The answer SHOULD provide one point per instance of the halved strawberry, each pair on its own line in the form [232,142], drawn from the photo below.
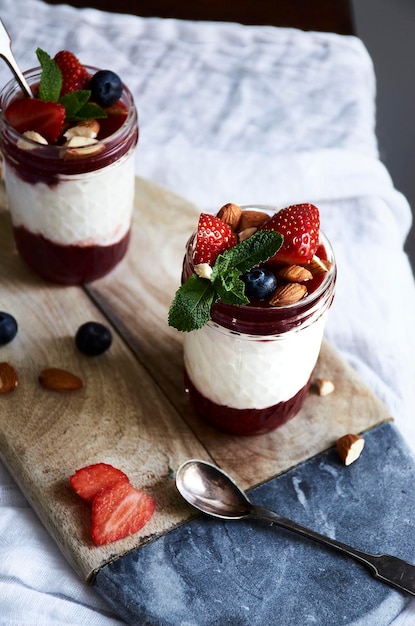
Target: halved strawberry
[74,75]
[88,481]
[300,226]
[46,118]
[213,236]
[118,511]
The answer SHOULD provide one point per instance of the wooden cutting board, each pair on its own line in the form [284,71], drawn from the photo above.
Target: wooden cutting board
[132,411]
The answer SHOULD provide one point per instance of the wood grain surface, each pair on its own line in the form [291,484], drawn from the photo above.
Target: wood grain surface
[133,411]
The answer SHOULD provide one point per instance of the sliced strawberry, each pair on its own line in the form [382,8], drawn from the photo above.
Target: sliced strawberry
[118,511]
[90,480]
[117,114]
[46,118]
[74,75]
[213,236]
[300,226]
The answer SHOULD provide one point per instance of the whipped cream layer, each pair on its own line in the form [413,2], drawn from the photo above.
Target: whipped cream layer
[83,210]
[251,372]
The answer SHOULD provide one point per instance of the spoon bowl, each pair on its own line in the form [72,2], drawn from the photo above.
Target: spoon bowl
[212,491]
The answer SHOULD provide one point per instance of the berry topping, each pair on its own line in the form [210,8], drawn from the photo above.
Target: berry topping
[93,338]
[116,116]
[88,481]
[75,76]
[8,328]
[118,511]
[213,236]
[300,226]
[259,283]
[45,118]
[106,88]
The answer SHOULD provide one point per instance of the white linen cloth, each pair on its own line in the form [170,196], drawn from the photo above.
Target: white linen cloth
[241,114]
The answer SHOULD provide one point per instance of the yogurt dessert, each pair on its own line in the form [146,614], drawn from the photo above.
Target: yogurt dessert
[256,289]
[69,168]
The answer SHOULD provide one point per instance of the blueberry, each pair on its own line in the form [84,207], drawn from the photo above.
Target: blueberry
[93,338]
[8,328]
[259,283]
[105,87]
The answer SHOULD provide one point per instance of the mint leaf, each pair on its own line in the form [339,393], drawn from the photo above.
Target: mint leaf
[257,249]
[230,288]
[191,306]
[50,79]
[78,108]
[90,111]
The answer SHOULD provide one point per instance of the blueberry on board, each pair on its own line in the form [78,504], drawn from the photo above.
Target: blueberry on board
[105,87]
[8,328]
[259,283]
[93,338]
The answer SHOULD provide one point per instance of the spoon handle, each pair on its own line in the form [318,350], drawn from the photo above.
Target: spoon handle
[7,54]
[385,567]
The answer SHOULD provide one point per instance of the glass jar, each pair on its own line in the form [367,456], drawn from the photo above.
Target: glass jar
[71,208]
[249,369]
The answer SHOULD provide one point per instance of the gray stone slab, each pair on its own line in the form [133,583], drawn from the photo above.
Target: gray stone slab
[212,573]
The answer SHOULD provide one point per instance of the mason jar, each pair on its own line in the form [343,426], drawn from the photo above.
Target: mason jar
[70,208]
[249,369]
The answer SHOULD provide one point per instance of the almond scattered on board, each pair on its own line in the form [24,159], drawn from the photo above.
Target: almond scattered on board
[8,378]
[349,447]
[56,379]
[324,386]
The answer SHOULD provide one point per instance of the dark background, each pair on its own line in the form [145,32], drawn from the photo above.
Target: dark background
[387,27]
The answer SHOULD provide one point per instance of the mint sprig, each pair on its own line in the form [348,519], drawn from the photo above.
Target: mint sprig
[78,107]
[51,77]
[194,299]
[76,103]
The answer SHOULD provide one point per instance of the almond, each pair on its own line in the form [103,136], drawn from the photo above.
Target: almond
[56,379]
[87,128]
[245,234]
[34,137]
[318,266]
[324,386]
[288,294]
[231,214]
[79,146]
[204,270]
[349,448]
[295,274]
[251,219]
[8,378]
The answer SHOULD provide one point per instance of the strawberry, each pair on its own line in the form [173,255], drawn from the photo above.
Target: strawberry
[213,236]
[118,511]
[74,75]
[46,118]
[88,481]
[300,226]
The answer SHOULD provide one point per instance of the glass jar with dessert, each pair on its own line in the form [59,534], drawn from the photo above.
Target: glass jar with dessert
[68,156]
[256,288]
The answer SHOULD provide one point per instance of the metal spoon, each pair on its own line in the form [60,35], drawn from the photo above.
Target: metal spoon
[210,490]
[7,54]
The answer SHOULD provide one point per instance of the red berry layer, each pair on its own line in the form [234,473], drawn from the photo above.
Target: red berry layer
[69,265]
[245,421]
